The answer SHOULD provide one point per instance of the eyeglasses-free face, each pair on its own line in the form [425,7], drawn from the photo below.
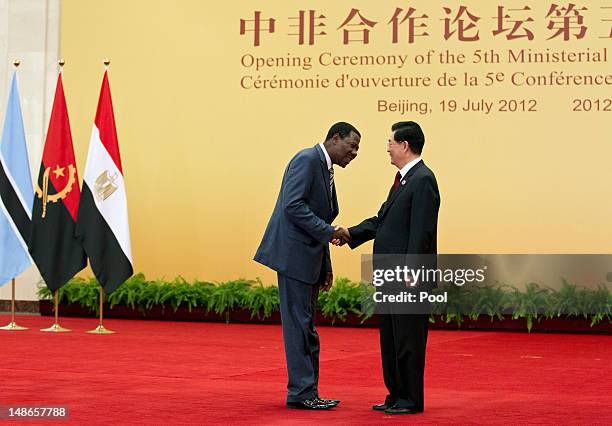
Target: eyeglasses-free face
[396,150]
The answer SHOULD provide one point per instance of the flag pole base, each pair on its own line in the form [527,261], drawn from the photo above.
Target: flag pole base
[100,330]
[56,328]
[13,327]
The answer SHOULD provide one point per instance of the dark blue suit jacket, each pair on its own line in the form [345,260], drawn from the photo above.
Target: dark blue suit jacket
[296,240]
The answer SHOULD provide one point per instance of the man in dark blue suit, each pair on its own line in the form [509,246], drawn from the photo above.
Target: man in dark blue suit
[296,245]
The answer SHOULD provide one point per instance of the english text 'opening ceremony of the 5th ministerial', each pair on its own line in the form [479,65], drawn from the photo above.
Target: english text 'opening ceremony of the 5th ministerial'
[306,213]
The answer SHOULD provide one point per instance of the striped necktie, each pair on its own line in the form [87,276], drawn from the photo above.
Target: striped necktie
[331,181]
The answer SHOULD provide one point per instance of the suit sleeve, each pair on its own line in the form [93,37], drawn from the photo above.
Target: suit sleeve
[424,216]
[327,258]
[298,182]
[365,231]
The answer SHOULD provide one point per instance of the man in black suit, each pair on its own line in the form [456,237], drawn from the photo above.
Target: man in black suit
[296,245]
[406,224]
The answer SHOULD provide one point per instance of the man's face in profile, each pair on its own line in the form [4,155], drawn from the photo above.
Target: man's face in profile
[395,149]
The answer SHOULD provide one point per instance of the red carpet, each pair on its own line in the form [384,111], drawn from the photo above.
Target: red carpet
[205,373]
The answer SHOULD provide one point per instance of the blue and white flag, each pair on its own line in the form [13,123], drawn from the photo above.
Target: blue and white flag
[16,192]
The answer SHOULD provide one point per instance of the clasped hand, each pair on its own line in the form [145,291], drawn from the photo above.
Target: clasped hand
[341,236]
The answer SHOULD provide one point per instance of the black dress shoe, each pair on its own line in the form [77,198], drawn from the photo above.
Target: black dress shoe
[400,410]
[380,407]
[332,402]
[310,404]
[389,402]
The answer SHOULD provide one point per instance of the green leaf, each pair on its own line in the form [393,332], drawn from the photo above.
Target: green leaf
[344,298]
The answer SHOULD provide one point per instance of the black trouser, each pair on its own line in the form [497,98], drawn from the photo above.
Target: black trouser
[403,339]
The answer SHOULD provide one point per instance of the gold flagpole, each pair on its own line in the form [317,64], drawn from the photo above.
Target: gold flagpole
[13,325]
[100,329]
[56,328]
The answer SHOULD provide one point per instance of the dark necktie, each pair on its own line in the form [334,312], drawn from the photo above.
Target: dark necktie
[396,182]
[331,186]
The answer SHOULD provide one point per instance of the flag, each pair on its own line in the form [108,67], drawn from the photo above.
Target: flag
[103,216]
[56,250]
[16,192]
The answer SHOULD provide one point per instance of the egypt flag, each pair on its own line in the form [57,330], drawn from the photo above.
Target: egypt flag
[56,250]
[103,216]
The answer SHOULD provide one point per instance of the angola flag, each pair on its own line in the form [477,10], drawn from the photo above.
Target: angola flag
[56,250]
[103,216]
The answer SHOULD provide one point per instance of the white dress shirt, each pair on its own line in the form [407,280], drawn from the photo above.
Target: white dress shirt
[327,157]
[408,166]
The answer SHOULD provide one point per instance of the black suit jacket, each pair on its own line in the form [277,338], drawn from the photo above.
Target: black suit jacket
[407,222]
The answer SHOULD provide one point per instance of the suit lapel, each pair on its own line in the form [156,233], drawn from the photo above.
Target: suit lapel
[325,173]
[392,197]
[403,183]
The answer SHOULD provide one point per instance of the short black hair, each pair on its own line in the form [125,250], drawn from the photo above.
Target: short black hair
[410,132]
[343,129]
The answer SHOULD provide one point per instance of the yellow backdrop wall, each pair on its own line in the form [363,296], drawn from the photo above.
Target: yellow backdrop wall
[203,156]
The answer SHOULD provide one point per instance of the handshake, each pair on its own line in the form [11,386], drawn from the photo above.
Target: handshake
[341,236]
